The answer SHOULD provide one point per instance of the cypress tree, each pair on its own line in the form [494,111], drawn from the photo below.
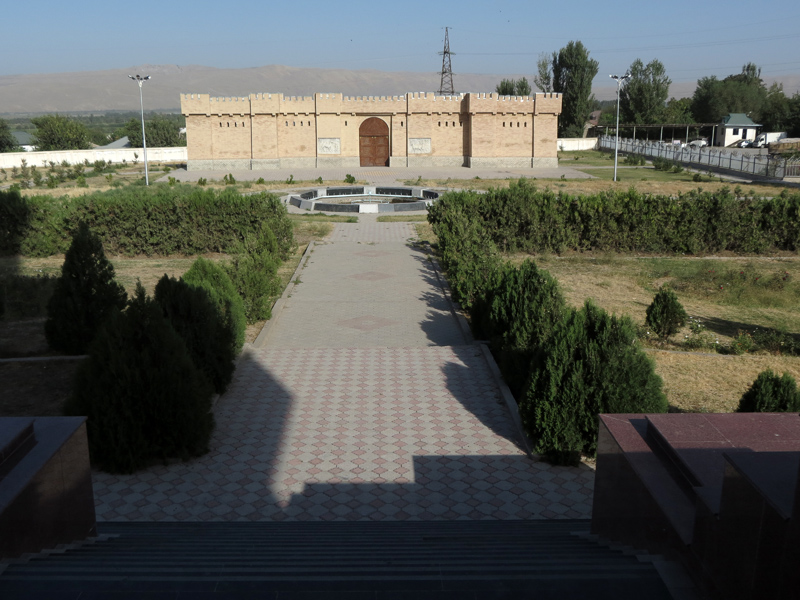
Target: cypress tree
[665,315]
[144,398]
[195,318]
[84,296]
[770,393]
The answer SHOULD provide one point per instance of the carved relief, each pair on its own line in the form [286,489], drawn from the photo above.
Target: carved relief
[419,145]
[329,146]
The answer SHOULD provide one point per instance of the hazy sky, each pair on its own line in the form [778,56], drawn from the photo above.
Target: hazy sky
[692,38]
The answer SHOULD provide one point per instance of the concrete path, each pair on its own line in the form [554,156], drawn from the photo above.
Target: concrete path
[367,402]
[383,175]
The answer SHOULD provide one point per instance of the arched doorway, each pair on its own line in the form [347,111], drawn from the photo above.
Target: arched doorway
[373,143]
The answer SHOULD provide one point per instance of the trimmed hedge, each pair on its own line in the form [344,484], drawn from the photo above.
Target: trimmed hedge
[522,218]
[144,398]
[136,220]
[254,272]
[589,365]
[215,281]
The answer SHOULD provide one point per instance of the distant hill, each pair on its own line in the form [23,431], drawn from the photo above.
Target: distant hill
[100,91]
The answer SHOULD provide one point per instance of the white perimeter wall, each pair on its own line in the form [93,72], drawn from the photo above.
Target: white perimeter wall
[572,144]
[9,160]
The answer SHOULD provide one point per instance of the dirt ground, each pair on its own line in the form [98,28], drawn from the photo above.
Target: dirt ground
[35,389]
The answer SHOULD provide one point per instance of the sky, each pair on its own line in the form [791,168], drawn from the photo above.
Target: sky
[692,39]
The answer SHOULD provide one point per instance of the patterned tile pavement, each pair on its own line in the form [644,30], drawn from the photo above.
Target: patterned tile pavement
[367,404]
[355,434]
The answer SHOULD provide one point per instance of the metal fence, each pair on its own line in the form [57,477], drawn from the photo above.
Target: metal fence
[712,158]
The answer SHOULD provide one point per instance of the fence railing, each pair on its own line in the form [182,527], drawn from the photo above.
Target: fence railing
[713,158]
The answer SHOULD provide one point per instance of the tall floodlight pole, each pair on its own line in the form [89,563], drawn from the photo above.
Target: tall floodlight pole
[619,81]
[140,80]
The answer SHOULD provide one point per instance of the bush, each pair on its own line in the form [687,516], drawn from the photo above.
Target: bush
[665,315]
[770,393]
[84,295]
[179,219]
[144,398]
[589,365]
[254,272]
[523,307]
[208,338]
[216,282]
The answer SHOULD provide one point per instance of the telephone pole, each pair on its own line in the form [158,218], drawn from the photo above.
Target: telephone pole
[446,86]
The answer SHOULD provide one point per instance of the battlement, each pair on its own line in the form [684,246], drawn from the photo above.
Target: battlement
[490,102]
[548,103]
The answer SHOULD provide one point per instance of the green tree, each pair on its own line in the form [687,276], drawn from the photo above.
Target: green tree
[793,129]
[678,111]
[514,87]
[770,393]
[590,365]
[571,72]
[143,397]
[161,132]
[665,315]
[741,93]
[8,143]
[84,296]
[544,75]
[643,96]
[777,112]
[57,132]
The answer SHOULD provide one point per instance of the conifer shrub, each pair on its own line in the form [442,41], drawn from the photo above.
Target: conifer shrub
[84,295]
[589,365]
[770,393]
[143,397]
[254,272]
[524,307]
[208,338]
[213,279]
[665,315]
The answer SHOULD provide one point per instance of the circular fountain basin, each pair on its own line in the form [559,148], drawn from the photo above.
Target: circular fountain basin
[364,199]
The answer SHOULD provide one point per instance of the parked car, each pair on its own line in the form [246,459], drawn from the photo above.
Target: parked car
[698,143]
[744,143]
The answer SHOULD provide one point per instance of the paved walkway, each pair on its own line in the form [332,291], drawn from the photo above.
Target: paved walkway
[367,402]
[384,175]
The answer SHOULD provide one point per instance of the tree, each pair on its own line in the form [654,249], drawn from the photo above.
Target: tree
[160,132]
[8,143]
[678,111]
[511,87]
[665,315]
[741,93]
[589,365]
[777,112]
[84,296]
[56,132]
[642,98]
[544,76]
[770,393]
[571,72]
[143,397]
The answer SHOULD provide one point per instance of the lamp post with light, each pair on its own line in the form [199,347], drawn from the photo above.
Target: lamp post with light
[619,81]
[140,80]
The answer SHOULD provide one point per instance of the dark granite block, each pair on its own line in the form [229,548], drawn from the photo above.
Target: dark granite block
[46,499]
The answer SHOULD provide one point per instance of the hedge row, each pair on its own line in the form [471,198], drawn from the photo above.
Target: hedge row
[158,220]
[564,366]
[522,218]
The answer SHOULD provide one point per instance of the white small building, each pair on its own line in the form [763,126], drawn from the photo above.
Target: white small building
[736,127]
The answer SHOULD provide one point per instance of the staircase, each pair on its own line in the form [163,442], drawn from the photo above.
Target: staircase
[385,560]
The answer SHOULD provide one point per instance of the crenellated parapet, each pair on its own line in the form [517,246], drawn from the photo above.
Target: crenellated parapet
[493,103]
[548,103]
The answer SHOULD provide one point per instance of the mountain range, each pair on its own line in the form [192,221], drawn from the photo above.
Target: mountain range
[110,90]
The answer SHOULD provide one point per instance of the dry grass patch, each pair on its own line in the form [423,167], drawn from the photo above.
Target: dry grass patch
[697,382]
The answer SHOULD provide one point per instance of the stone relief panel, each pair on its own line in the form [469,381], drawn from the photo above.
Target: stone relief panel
[329,146]
[419,145]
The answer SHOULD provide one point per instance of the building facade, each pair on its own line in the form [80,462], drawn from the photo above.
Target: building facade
[265,131]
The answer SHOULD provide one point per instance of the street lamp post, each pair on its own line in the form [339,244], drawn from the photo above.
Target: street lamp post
[140,80]
[619,81]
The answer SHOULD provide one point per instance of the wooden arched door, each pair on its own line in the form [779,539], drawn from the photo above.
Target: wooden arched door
[373,143]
